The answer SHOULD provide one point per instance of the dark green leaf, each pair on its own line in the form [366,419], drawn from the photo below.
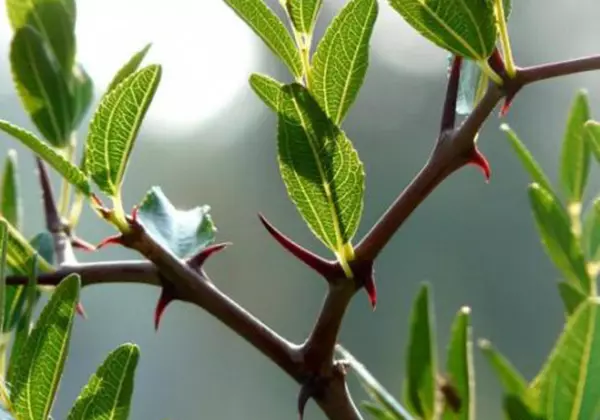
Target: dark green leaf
[303,14]
[107,396]
[421,366]
[10,199]
[575,157]
[129,68]
[183,232]
[269,27]
[41,86]
[593,136]
[82,94]
[571,296]
[591,232]
[516,409]
[511,380]
[340,62]
[267,89]
[115,125]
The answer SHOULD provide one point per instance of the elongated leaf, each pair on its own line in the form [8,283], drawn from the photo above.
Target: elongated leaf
[556,235]
[41,86]
[3,271]
[459,367]
[375,390]
[10,200]
[43,356]
[377,412]
[342,57]
[107,396]
[420,387]
[82,94]
[464,27]
[303,14]
[66,169]
[591,232]
[321,170]
[129,68]
[20,11]
[271,30]
[267,89]
[593,131]
[571,295]
[575,156]
[115,125]
[529,163]
[511,380]
[20,252]
[516,409]
[569,384]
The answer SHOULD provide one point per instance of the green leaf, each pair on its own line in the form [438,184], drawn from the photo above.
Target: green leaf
[561,244]
[459,367]
[41,86]
[571,296]
[183,232]
[66,169]
[340,62]
[516,409]
[267,89]
[129,68]
[377,412]
[569,384]
[303,14]
[20,252]
[511,380]
[593,136]
[42,359]
[271,30]
[420,387]
[10,200]
[82,94]
[107,395]
[321,170]
[466,28]
[591,232]
[115,125]
[373,388]
[575,159]
[3,270]
[529,163]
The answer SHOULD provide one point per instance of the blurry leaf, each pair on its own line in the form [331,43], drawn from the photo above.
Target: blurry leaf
[511,380]
[591,232]
[267,89]
[10,200]
[129,68]
[459,367]
[3,271]
[267,25]
[41,86]
[569,383]
[464,27]
[471,87]
[82,94]
[341,59]
[183,232]
[377,412]
[516,409]
[321,170]
[375,390]
[20,252]
[575,157]
[42,359]
[558,238]
[303,14]
[420,387]
[115,125]
[593,131]
[107,395]
[571,295]
[66,169]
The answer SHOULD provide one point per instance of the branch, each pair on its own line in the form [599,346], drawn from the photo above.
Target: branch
[564,68]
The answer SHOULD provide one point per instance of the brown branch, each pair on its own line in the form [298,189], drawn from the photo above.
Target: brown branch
[564,68]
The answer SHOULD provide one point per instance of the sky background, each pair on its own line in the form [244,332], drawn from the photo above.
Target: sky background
[208,139]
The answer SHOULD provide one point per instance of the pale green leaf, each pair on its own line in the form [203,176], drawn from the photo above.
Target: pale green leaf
[271,30]
[377,412]
[66,169]
[82,94]
[591,232]
[20,252]
[3,272]
[593,131]
[115,126]
[340,62]
[510,378]
[129,68]
[320,168]
[10,199]
[466,28]
[303,14]
[42,358]
[107,395]
[267,89]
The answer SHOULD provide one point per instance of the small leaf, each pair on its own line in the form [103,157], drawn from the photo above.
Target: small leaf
[267,89]
[42,359]
[511,380]
[183,232]
[569,384]
[561,244]
[129,68]
[107,395]
[115,125]
[377,412]
[320,169]
[66,169]
[516,409]
[460,367]
[575,157]
[571,296]
[303,14]
[464,27]
[20,252]
[340,62]
[420,387]
[593,136]
[472,85]
[41,86]
[82,94]
[271,30]
[10,199]
[591,232]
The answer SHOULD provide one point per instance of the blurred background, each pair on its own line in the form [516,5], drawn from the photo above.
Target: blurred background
[208,139]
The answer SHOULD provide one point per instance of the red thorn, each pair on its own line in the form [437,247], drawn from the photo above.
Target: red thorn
[481,162]
[166,297]
[320,265]
[81,244]
[115,240]
[303,397]
[134,214]
[371,290]
[80,310]
[197,260]
[508,102]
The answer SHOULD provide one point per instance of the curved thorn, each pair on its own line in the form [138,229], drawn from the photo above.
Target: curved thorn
[166,297]
[303,397]
[198,259]
[320,265]
[79,243]
[80,310]
[371,290]
[508,100]
[114,240]
[481,162]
